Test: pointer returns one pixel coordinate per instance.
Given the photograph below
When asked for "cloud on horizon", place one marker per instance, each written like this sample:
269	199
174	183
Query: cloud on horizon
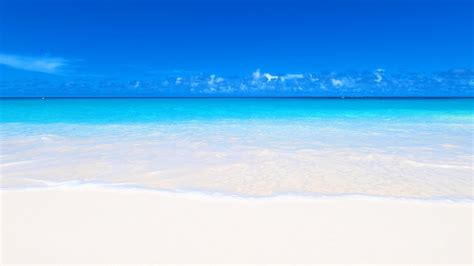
49	65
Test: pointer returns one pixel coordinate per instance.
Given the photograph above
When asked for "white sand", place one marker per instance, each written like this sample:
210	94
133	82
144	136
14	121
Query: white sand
93	225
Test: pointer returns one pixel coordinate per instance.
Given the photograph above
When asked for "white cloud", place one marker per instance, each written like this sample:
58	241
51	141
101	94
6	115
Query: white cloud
36	64
213	79
337	82
313	78
291	76
270	77
379	75
256	74
294	76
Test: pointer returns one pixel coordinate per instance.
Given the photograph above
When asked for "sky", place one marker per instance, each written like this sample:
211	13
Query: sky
236	47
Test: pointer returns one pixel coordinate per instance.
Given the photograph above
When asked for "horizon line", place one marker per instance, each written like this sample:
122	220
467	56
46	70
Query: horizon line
234	97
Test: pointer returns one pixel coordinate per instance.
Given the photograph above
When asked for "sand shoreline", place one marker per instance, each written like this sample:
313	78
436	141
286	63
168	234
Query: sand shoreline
98	225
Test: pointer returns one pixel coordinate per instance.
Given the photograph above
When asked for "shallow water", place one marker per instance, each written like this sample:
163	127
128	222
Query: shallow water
413	148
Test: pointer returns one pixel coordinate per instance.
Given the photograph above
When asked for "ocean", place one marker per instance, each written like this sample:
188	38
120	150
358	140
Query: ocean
247	147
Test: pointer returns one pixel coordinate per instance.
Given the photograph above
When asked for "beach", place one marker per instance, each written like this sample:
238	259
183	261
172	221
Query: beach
236	132
130	181
96	225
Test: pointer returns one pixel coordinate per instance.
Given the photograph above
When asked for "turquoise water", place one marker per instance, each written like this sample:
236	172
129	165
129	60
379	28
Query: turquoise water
188	109
410	148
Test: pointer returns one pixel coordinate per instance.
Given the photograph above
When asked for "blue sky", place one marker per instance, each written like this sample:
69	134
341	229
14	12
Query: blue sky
69	45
